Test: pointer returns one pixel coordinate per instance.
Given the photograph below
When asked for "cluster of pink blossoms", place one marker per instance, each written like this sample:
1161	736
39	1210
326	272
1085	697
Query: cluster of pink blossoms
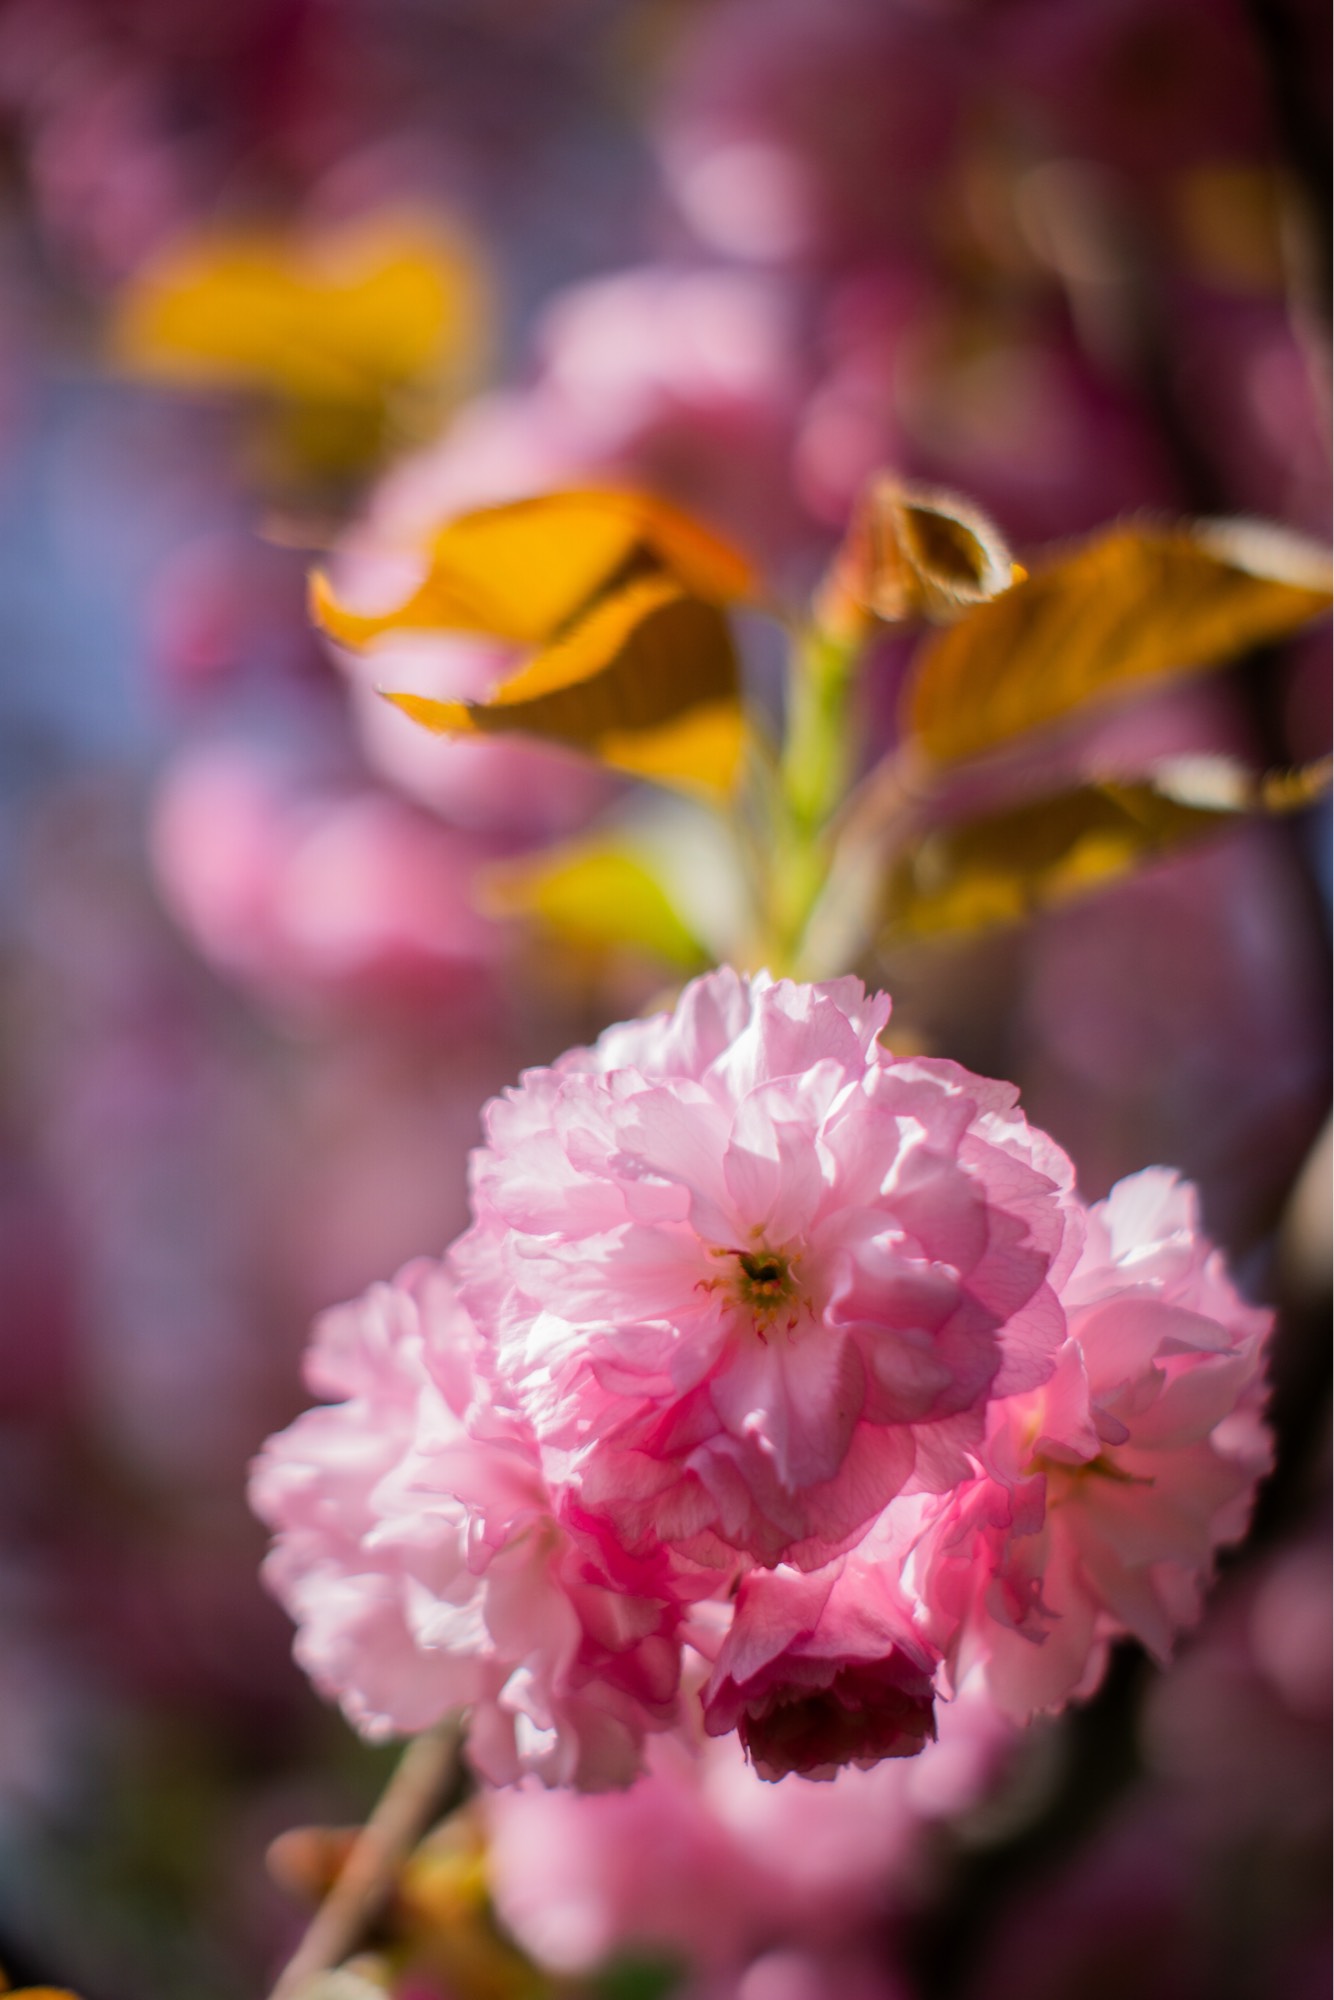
776	1374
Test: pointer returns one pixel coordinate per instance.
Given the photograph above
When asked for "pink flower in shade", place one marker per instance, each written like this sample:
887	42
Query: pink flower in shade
819	1671
749	1276
1106	1491
417	1552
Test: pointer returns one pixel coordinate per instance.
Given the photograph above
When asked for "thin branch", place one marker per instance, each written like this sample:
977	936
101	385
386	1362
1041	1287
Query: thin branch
409	1803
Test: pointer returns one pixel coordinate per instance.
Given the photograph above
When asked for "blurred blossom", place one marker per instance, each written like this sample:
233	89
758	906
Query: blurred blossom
1241	1731
1112	1057
631	351
682	381
42	1728
314	891
189	1188
106	176
130	115
1075	220
688	381
1001	404
223	606
139	1117
797	1975
737	1863
137	119
1145	86
1255	392
508	790
679	377
1211	1875
38	1361
795	131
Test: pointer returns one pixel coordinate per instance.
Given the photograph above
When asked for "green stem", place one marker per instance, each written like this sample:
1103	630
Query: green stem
816	751
812	778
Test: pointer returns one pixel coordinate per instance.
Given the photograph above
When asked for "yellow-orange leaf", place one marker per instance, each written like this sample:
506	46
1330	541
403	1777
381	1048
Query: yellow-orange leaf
342	315
1132	606
1013	863
525	570
647	681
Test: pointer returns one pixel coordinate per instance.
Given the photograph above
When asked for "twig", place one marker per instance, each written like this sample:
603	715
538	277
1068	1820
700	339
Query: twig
361	1890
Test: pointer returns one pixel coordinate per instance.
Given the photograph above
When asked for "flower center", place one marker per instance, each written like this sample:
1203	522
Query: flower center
764	1283
764	1286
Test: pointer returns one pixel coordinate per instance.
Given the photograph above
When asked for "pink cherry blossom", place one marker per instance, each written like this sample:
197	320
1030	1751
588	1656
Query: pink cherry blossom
819	1671
1105	1492
776	1359
417	1551
749	1276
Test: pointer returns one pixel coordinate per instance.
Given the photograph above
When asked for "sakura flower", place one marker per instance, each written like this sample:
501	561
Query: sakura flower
749	1276
823	1670
1107	1491
316	1483
417	1552
773	1354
